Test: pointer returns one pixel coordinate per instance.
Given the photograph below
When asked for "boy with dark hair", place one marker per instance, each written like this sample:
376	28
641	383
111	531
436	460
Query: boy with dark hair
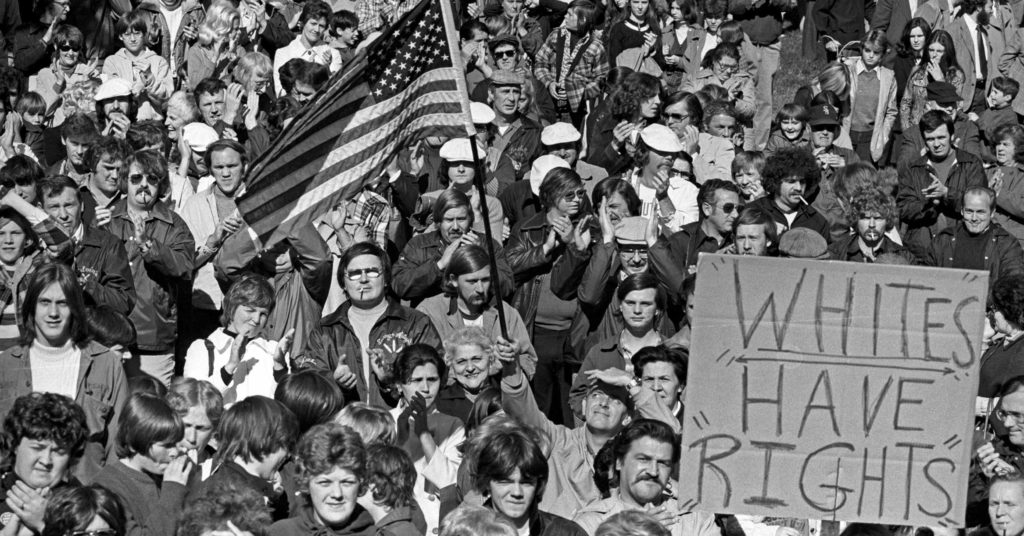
998	112
388	491
345	27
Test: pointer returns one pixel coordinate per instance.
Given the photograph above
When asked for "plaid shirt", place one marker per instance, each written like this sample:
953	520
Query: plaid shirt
373	212
375	14
585	76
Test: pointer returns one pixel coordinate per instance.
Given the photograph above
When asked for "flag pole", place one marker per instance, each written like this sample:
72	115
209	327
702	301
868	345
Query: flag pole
478	182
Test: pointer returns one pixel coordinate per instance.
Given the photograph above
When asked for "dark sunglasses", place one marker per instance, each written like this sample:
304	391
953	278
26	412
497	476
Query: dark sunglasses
137	179
65	47
675	117
505	54
572	196
728	208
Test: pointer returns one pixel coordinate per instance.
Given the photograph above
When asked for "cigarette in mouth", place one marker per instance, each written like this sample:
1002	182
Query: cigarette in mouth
802	200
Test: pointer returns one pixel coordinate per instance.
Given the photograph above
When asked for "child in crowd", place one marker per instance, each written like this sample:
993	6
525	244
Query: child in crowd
873	107
345	27
387	491
746	173
790	129
31	112
372	423
998	112
147	72
113	330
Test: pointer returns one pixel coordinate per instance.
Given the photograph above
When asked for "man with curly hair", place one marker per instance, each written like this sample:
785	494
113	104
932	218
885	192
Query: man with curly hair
789	178
870	214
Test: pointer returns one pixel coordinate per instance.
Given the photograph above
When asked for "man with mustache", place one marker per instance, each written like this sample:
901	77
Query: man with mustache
161	254
790	177
645	453
753	233
977	242
872	213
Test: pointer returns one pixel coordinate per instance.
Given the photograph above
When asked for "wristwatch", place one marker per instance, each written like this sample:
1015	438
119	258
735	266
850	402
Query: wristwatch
633	386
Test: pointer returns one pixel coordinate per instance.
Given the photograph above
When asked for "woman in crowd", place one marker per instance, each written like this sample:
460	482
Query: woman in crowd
909	52
150	474
1007	179
430	437
235	358
635	41
672	200
217	48
84	509
938	64
199	405
470	357
311	43
419	271
633	104
1003	359
47	433
313	398
331	463
68	68
721	67
457	172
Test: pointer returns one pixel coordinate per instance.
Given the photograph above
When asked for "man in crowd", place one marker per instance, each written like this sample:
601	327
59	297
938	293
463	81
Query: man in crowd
976	242
753	233
873	215
789	175
76	135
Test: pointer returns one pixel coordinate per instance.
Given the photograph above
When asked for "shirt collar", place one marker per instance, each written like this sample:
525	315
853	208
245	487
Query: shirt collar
860	67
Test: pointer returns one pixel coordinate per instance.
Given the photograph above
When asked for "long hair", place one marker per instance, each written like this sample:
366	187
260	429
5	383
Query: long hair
64	277
948	59
903	48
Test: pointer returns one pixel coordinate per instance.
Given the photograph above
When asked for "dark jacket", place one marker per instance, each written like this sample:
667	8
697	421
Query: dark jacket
361	524
31	55
151	509
518	202
763	23
192	13
806	216
921	218
101	264
102	391
1003	254
230	473
416	276
847	248
526	257
159	275
452	400
399	522
545	524
334	341
964	130
523	147
672	258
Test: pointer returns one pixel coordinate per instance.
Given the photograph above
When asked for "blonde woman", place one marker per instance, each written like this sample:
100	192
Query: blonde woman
217	46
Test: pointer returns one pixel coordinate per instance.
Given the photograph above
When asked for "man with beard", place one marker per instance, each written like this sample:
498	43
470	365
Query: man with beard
76	135
115	107
516	137
641	307
467	301
753	233
977	242
663	191
872	213
161	254
789	175
932	186
676	257
102	190
99	259
645	453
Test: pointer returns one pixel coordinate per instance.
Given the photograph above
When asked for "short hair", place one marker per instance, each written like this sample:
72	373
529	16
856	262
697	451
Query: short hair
135	20
643	281
504	452
251	290
390	474
325	447
708	192
448	199
692	104
612	185
312	74
146	384
153	164
146	420
372	423
716	108
745	160
22	170
469	520
877	39
358	250
344	20
312	397
790	111
30	102
32	242
250	65
1006	85
110	147
753	215
980	190
631	523
185	103
869	200
209	86
286	73
645	428
723	50
224	145
556	183
254	428
47	417
467	336
110	327
789	162
143	134
835	77
54	185
187	393
40	280
470	27
67	34
604	477
74	508
413	356
466	260
677	357
487	404
315	9
933	119
1012	131
79	128
624	100
222	502
1007	297
1011	386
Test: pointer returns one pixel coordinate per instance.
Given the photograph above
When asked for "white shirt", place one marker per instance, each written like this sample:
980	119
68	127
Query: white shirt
297	49
55	370
972	28
681	192
255	368
173	18
710	42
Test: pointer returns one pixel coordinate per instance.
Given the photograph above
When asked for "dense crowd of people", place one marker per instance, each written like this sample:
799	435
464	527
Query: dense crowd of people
493	347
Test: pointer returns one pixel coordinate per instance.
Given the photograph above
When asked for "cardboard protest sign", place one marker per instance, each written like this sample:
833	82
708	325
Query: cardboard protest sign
830	390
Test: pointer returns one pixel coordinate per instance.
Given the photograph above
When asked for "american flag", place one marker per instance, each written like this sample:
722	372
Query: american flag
407	84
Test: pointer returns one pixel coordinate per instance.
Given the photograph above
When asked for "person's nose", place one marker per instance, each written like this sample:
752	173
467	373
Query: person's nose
517	489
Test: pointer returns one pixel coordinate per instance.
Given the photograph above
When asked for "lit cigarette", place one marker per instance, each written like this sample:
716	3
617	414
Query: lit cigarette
802	200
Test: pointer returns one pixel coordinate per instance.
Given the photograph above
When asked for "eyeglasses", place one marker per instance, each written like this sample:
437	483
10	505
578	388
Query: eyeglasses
602	399
573	196
132	33
629	251
67	47
100	532
356	275
499	54
674	118
728	208
683	174
137	179
1003	415
729	67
